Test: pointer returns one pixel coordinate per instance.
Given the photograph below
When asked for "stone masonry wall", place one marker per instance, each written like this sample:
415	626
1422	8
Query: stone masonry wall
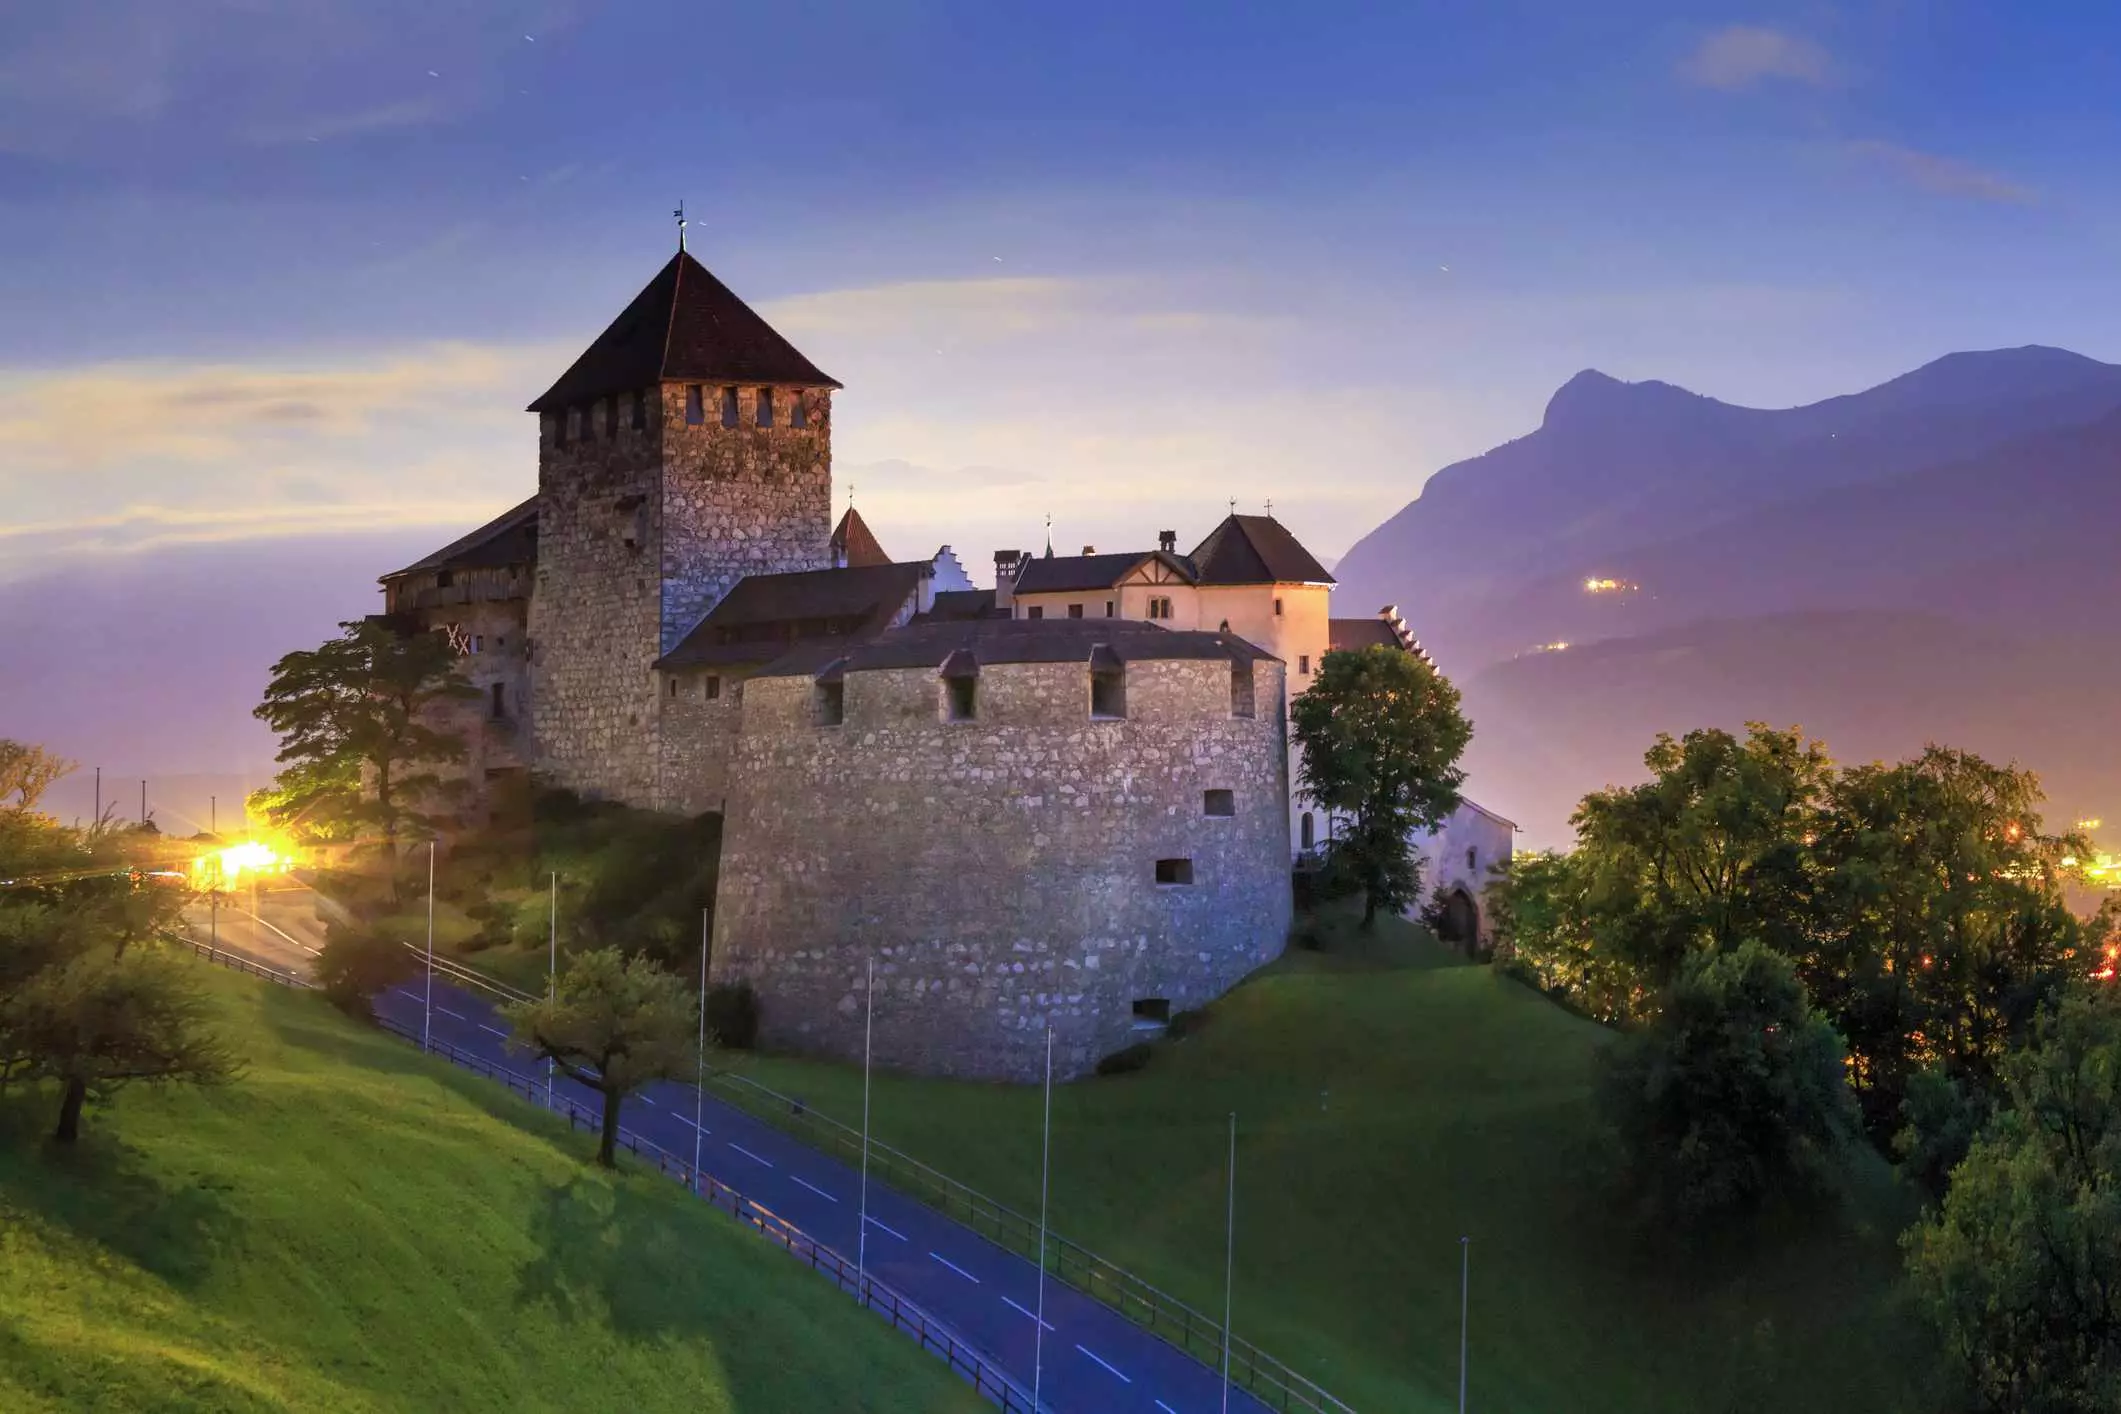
1000	871
695	738
594	622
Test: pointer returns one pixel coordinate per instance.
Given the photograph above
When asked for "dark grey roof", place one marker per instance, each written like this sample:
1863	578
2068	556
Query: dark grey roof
510	538
956	605
1342	634
1255	550
766	614
991	641
1064	574
684	324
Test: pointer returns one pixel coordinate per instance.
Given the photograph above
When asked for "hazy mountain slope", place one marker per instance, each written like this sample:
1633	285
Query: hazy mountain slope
1617	467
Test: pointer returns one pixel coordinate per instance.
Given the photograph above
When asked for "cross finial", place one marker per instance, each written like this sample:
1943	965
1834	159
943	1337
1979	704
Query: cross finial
850	495
1270	505
679	214
1233	505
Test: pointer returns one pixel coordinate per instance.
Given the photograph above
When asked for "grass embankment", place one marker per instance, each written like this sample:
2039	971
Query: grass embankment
351	1226
1390	1101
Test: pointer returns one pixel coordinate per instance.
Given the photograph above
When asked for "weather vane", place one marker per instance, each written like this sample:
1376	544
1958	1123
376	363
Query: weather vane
680	215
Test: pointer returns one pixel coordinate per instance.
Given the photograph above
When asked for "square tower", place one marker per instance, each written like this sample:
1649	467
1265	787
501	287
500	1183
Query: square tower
688	447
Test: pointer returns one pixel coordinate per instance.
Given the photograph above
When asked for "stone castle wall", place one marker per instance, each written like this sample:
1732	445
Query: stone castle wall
1000	871
695	739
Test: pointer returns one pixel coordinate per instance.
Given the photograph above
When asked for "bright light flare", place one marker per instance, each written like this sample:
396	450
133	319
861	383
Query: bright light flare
225	867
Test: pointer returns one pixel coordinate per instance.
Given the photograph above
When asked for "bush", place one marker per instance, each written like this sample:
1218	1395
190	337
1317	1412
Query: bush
357	963
733	1015
1127	1060
1186	1023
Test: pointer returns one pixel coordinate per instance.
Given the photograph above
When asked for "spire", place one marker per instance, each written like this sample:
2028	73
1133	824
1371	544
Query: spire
1049	535
680	215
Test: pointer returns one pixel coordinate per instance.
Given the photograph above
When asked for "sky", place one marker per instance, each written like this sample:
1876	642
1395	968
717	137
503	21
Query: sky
277	269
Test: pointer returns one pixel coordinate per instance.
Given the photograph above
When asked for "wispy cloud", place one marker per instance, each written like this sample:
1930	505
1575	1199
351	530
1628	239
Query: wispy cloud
1946	176
1743	56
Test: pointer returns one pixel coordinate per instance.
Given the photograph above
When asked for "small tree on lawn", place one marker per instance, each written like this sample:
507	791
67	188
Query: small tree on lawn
98	1022
355	963
366	699
2020	1269
1733	1093
1381	733
614	1024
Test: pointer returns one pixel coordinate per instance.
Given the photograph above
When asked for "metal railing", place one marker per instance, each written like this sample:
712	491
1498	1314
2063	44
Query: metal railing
239	962
1155	1310
937	1338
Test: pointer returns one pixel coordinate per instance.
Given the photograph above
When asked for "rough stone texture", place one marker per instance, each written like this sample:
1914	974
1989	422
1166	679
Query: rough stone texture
696	738
640	532
1463	855
1000	871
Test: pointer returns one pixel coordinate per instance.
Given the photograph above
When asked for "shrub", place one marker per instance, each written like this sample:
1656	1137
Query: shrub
733	1015
1186	1023
1126	1060
357	963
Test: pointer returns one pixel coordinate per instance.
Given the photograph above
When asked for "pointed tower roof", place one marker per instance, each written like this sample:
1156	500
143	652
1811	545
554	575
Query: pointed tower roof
685	325
1256	550
853	545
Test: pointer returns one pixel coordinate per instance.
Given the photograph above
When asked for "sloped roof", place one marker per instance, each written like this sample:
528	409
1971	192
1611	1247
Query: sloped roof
871	594
683	325
990	641
1346	634
1255	550
510	538
958	605
853	542
1065	574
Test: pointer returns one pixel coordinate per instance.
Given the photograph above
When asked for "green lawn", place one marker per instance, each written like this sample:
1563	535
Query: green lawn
350	1226
1388	1103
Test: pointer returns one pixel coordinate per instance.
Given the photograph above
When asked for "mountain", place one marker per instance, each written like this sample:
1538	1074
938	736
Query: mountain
1492	556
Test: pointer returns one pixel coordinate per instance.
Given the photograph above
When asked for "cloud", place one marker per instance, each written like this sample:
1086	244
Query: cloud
1944	175
1741	56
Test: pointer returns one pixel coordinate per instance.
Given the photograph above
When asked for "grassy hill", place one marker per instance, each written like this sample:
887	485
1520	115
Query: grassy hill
1387	1106
350	1226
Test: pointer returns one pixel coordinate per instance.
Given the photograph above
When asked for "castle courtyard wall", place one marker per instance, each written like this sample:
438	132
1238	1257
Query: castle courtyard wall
1000	872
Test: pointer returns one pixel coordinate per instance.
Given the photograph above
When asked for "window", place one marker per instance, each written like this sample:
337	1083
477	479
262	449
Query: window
1035	612
960	699
714	687
798	409
611	418
1108	692
729	406
1159	608
1472	855
695	405
1110	608
1152	1013
1277	608
1303	663
673	687
831	703
640	412
765	407
1241	687
549	427
478	643
500	701
445	578
1174	871
1308	834
574	426
1075	611
1222	804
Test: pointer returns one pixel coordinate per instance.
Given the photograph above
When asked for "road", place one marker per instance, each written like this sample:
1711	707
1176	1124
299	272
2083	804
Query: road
1093	1359
282	934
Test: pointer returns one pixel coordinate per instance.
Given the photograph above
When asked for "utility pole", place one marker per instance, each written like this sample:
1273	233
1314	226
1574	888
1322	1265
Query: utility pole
1465	1287
427	1015
699	1074
1045	1172
552	987
861	1241
1229	1257
99	797
213	816
143	802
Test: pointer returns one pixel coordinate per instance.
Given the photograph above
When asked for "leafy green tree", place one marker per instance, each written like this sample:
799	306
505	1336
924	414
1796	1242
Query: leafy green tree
355	963
363	723
26	772
1937	929
2020	1269
1733	1093
1381	733
97	1022
1542	929
613	1024
1706	853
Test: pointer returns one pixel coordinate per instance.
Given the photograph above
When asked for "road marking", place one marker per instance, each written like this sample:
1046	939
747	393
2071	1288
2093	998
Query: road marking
813	1188
690	1125
873	1222
749	1155
1104	1362
447	1012
1032	1314
1165	1407
955	1267
313	952
493	1030
648	1099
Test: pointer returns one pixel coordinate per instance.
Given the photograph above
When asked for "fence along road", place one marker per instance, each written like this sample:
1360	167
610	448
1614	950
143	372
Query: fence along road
1095	1359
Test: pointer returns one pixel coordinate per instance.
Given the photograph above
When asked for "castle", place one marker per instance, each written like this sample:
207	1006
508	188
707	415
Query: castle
1066	799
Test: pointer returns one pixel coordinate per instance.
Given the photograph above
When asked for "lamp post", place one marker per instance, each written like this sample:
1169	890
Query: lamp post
1465	1287
552	987
861	1240
699	1073
427	1014
1229	1257
1045	1171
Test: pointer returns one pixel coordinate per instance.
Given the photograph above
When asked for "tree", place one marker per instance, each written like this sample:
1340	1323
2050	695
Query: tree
1381	733
355	963
2020	1269
613	1024
1536	907
98	1022
26	772
370	701
1732	1094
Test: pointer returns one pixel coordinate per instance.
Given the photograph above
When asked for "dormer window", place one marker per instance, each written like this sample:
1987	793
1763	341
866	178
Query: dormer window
1159	608
765	407
695	405
729	406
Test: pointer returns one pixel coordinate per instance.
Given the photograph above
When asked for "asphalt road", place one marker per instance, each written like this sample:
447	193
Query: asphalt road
1094	1360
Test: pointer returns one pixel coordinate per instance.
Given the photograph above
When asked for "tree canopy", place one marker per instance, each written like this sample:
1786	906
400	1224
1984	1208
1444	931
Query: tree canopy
26	772
367	702
1381	733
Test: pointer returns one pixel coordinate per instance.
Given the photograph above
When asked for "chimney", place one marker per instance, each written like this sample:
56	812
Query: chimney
1167	541
1007	565
1089	549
